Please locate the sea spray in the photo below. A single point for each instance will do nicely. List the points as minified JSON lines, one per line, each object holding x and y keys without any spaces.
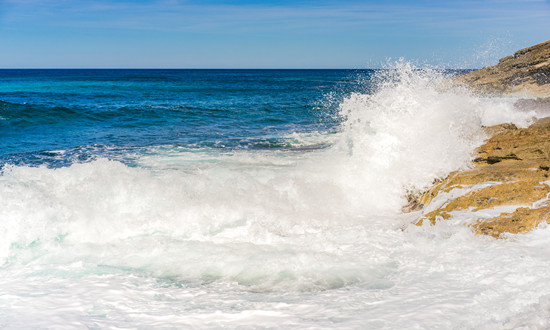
{"x":284,"y":237}
{"x":415,"y":129}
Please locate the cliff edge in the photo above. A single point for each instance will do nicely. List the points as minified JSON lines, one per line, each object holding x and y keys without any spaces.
{"x":525,"y":73}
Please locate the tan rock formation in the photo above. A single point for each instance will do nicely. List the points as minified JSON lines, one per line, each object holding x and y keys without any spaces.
{"x":525,"y":73}
{"x":511,"y":169}
{"x":521,"y":220}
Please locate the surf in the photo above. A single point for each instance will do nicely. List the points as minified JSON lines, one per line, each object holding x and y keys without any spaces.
{"x":265,"y":237}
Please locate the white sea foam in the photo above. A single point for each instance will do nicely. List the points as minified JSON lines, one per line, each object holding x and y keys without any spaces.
{"x":308,"y":238}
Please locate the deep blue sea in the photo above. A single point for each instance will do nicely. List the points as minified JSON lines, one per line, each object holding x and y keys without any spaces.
{"x":250,"y":199}
{"x":95,"y":113}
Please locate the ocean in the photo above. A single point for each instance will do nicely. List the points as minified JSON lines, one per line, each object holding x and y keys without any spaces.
{"x":250,"y":199}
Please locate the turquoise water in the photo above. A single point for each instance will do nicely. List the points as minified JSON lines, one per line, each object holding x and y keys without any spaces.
{"x":250,"y":199}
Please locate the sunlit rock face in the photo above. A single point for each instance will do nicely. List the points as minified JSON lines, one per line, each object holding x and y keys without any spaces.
{"x":507,"y":190}
{"x":525,"y":73}
{"x":508,"y":187}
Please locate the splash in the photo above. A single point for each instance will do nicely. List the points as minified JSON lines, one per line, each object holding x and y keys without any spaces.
{"x":286,"y":235}
{"x":407,"y":133}
{"x":412,"y":130}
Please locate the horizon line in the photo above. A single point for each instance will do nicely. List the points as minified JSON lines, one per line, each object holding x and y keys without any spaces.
{"x":107,"y":68}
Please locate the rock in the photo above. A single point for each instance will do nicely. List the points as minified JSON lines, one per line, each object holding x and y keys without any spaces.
{"x":531,"y":144}
{"x":511,"y":169}
{"x":507,"y":190}
{"x":525,"y":73}
{"x":521,"y":220}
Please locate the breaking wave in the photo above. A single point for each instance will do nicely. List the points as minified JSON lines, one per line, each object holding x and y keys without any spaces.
{"x":317,"y":230}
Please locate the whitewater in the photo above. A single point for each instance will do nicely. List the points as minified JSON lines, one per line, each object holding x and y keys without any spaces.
{"x":307,"y":233}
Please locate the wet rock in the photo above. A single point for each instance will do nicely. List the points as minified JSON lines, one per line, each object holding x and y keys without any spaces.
{"x":511,"y":169}
{"x":521,"y":220}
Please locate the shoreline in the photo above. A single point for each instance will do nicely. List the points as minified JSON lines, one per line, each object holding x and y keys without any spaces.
{"x":507,"y":191}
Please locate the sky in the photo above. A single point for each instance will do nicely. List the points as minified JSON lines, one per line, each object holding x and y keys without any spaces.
{"x":266,"y":34}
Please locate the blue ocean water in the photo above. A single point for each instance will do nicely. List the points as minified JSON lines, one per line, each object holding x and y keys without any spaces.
{"x":91,"y":113}
{"x":250,"y":199}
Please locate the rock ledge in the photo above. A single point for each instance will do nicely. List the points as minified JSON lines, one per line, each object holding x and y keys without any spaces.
{"x":507,"y":191}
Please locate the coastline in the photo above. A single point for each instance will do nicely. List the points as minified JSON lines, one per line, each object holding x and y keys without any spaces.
{"x":507,"y":190}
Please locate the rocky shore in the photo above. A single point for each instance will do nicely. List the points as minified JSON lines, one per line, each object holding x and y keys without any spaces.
{"x":525,"y":73}
{"x":508,"y":188}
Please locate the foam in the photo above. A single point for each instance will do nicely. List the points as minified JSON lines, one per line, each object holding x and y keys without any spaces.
{"x":279,"y":238}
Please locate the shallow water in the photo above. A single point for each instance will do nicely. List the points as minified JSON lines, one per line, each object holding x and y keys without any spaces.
{"x":248,"y":199}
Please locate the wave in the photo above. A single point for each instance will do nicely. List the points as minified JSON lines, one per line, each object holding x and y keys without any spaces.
{"x":290,"y":222}
{"x":21,"y":115}
{"x":403,"y":136}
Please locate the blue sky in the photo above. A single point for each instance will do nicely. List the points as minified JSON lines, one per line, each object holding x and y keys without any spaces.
{"x":265,"y":34}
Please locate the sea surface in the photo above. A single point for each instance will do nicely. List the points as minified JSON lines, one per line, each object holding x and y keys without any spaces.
{"x":250,"y":199}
